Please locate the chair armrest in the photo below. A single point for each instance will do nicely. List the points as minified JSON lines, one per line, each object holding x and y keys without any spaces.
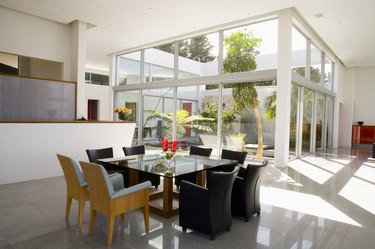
{"x":132,"y":189}
{"x":117,"y":181}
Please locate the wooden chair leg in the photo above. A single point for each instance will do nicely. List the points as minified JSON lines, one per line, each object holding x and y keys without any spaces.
{"x":122,"y":218}
{"x":111,"y":225}
{"x":146,"y":218}
{"x":81,"y":209}
{"x":68,"y":205}
{"x":92,"y":221}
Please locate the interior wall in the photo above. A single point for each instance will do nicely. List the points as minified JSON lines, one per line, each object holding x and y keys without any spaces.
{"x":38,"y":159}
{"x":26,"y":35}
{"x":102,"y":94}
{"x":346,"y":93}
{"x":364,"y":96}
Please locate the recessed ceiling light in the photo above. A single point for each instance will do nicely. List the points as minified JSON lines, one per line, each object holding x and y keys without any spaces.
{"x":319,"y":15}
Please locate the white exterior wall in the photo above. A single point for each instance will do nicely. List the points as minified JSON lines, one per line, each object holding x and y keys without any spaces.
{"x":35,"y":37}
{"x":30,"y":150}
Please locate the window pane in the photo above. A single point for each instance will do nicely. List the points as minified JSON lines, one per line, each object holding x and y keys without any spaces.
{"x":198,"y":56}
{"x":307,"y":119}
{"x":319,"y":122}
{"x":315,"y":70}
{"x":293,"y":121}
{"x":240,"y":129}
{"x":156,"y":126}
{"x":128,"y":99}
{"x":261,"y":52}
{"x":298,"y":52}
{"x":329,"y":117}
{"x":191,"y":103}
{"x":159,"y":63}
{"x":129,"y":69}
{"x":99,"y":79}
{"x":328,"y":77}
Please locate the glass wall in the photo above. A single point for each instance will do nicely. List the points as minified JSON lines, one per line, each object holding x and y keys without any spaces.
{"x":246,"y":48}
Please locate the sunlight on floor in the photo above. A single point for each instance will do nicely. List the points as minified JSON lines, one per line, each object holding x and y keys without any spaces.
{"x":360,"y":189}
{"x":323,"y":163}
{"x":304,"y":203}
{"x":314,"y":173}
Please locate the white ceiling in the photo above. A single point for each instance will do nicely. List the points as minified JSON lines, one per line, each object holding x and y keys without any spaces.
{"x":346,"y":25}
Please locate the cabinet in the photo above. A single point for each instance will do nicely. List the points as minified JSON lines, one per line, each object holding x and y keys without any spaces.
{"x":364,"y":134}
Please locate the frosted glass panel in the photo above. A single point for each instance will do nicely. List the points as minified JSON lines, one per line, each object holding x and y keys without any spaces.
{"x":69,"y":102}
{"x":27,"y":99}
{"x":56,"y":91}
{"x":1,"y":97}
{"x":11,"y":98}
{"x":42,"y":100}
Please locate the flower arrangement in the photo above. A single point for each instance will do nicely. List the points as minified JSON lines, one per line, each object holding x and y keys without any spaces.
{"x":169,"y":155}
{"x":123,"y":113}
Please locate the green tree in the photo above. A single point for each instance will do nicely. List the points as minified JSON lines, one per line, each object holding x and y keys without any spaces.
{"x":211,"y":112}
{"x":200,"y":49}
{"x":197,"y":48}
{"x":241,"y":57}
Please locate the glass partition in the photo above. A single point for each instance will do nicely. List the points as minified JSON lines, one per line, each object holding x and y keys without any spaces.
{"x":328,"y":71}
{"x":319,"y":135}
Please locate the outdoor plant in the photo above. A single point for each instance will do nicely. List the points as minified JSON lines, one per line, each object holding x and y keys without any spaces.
{"x":241,"y":47}
{"x":183,"y":121}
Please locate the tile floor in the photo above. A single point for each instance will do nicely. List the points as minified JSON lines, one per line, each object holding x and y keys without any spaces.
{"x":325,"y":201}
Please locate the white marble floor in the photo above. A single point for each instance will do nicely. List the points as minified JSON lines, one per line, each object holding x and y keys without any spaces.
{"x":324,"y":201}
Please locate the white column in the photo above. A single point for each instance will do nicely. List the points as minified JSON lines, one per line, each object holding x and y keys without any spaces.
{"x":78,"y":64}
{"x":284,"y":78}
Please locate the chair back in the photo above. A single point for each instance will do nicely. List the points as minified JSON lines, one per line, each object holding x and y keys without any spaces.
{"x":95,"y":154}
{"x":134,"y":150}
{"x":73,"y":175}
{"x":99,"y":184}
{"x":199,"y":151}
{"x":220,"y":186}
{"x":254,"y":173}
{"x":240,"y":156}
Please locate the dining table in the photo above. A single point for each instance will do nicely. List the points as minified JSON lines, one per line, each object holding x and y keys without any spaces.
{"x":157,"y":164}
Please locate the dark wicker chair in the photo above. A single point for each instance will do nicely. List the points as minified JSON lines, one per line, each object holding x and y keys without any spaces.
{"x":95,"y":154}
{"x":245,"y":193}
{"x":143,"y":176}
{"x":191,"y":177}
{"x":207,"y":210}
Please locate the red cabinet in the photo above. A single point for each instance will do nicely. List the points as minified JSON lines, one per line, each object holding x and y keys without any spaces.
{"x":364,"y":134}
